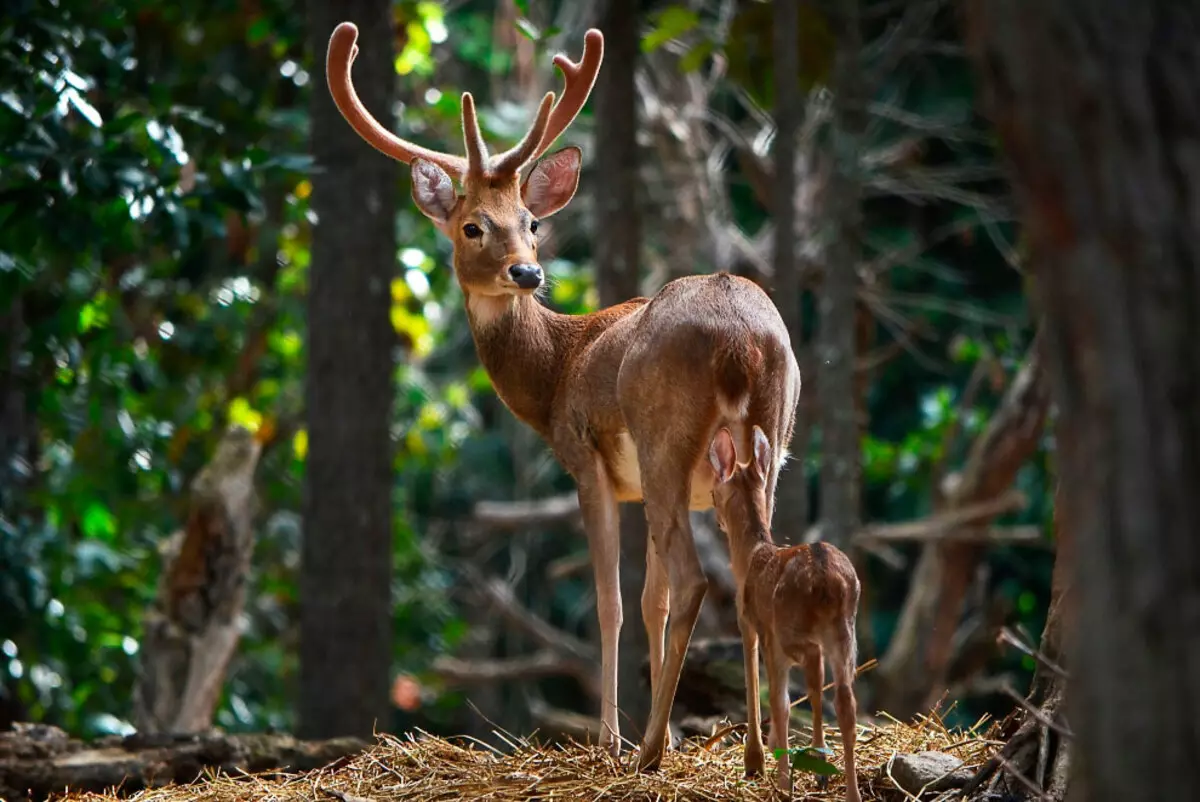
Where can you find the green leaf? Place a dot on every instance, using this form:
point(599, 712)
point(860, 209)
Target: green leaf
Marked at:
point(670, 23)
point(528, 29)
point(694, 58)
point(98, 522)
point(259, 30)
point(523, 7)
point(810, 759)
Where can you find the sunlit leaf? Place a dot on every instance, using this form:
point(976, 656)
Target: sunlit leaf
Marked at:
point(98, 522)
point(670, 23)
point(242, 414)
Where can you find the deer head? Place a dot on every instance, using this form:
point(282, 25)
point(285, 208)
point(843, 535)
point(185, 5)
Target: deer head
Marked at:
point(493, 223)
point(739, 491)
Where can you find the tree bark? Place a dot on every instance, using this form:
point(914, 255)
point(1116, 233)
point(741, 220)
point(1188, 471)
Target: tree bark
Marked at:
point(192, 631)
point(617, 246)
point(791, 505)
point(836, 351)
point(1099, 112)
point(345, 597)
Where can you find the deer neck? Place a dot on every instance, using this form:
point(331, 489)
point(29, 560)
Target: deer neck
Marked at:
point(749, 537)
point(522, 346)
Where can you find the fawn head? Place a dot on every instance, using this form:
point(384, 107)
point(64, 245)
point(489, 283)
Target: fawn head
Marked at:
point(739, 491)
point(493, 223)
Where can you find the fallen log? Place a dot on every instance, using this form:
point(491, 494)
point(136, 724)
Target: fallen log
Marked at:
point(37, 761)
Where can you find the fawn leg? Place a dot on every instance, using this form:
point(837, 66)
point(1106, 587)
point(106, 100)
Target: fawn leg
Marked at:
point(656, 606)
point(671, 532)
point(777, 677)
point(598, 506)
point(755, 761)
point(814, 677)
point(843, 677)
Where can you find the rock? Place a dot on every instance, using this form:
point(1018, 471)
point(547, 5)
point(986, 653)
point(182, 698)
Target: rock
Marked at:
point(931, 771)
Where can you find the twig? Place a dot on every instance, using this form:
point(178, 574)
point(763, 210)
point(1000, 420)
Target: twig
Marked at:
point(1029, 784)
point(1009, 637)
point(1033, 710)
point(342, 795)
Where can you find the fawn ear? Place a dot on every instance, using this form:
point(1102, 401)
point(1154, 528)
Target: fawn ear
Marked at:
point(433, 192)
point(722, 455)
point(552, 183)
point(762, 455)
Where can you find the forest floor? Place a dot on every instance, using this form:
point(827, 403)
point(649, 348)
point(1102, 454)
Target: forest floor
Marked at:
point(422, 768)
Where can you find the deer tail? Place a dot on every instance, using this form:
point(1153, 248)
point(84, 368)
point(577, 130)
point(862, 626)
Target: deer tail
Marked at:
point(736, 364)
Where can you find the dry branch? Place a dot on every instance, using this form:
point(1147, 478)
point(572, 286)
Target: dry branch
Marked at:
point(913, 672)
point(192, 630)
point(510, 515)
point(37, 761)
point(545, 663)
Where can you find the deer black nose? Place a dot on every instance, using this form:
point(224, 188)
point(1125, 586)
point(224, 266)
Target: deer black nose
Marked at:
point(527, 277)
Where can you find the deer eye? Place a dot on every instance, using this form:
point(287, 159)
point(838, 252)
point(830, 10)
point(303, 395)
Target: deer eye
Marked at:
point(472, 231)
point(533, 227)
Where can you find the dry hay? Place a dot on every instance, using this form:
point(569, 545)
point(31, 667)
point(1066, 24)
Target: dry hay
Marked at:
point(423, 768)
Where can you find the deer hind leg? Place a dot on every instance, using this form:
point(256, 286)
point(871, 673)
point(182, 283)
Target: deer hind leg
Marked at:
point(814, 676)
point(656, 606)
point(842, 659)
point(671, 533)
point(598, 506)
point(777, 678)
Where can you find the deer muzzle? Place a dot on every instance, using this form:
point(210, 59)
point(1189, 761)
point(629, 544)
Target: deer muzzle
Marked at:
point(526, 276)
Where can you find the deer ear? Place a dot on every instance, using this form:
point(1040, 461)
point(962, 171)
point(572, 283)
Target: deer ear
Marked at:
point(433, 191)
point(552, 182)
point(722, 456)
point(762, 454)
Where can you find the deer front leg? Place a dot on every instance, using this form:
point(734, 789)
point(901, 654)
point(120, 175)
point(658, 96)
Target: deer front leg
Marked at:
point(598, 507)
point(656, 606)
point(754, 758)
point(671, 533)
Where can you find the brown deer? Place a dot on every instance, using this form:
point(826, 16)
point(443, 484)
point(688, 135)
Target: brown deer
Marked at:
point(637, 389)
point(801, 601)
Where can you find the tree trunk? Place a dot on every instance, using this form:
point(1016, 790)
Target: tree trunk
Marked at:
point(618, 243)
point(839, 413)
point(791, 505)
point(345, 597)
point(1099, 111)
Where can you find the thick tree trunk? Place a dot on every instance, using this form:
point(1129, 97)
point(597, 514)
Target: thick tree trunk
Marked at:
point(791, 505)
point(1098, 108)
point(618, 243)
point(345, 595)
point(840, 451)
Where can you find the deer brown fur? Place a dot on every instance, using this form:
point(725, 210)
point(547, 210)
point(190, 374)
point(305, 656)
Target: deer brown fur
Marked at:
point(799, 601)
point(635, 390)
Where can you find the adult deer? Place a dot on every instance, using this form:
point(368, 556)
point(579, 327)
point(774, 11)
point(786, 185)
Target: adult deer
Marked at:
point(637, 389)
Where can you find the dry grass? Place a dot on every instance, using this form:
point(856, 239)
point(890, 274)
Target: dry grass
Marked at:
point(425, 768)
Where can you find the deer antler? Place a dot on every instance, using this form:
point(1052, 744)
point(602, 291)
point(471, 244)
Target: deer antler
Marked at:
point(338, 59)
point(578, 79)
point(548, 124)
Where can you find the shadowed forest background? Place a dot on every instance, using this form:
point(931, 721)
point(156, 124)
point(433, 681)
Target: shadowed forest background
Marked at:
point(191, 238)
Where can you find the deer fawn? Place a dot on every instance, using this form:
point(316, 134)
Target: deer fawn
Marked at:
point(800, 600)
point(637, 389)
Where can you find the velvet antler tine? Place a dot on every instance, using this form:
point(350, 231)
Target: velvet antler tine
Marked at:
point(512, 160)
point(343, 48)
point(578, 80)
point(477, 152)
